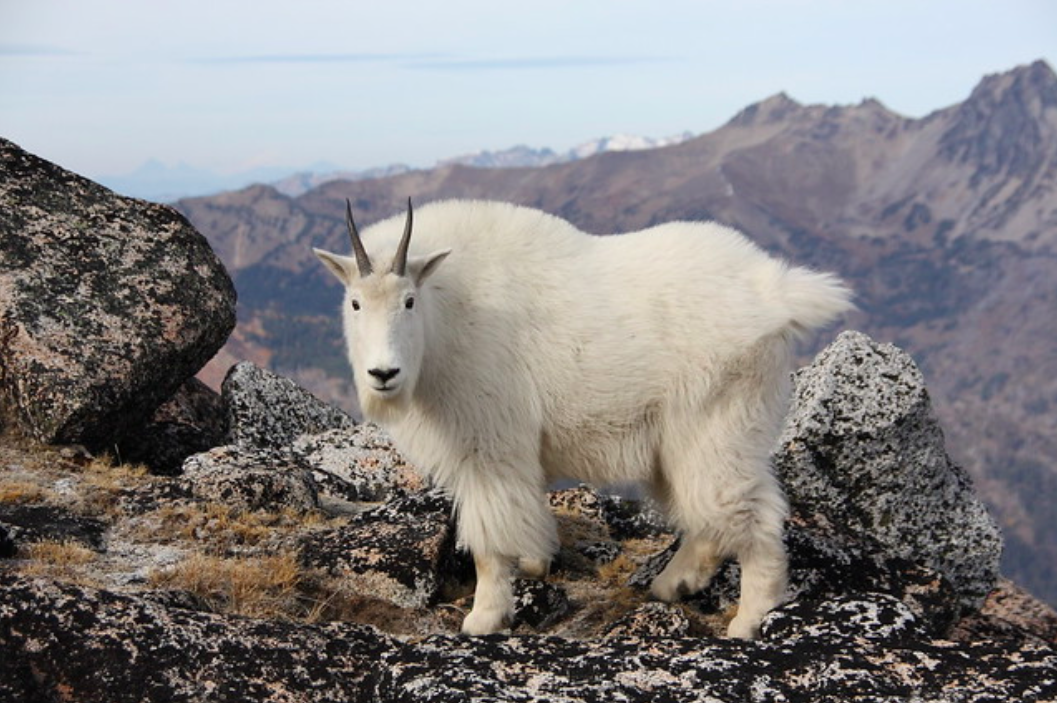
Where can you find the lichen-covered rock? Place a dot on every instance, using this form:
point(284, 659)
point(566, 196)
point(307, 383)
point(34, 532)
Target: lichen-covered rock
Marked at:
point(107, 304)
point(25, 524)
point(400, 552)
point(134, 649)
point(862, 447)
point(250, 479)
point(64, 642)
point(652, 620)
point(267, 410)
point(539, 604)
point(874, 616)
point(358, 463)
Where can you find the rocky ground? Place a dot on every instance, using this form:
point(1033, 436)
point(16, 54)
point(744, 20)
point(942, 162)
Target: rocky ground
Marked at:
point(258, 544)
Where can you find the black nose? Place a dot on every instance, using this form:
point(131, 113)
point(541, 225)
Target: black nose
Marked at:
point(383, 375)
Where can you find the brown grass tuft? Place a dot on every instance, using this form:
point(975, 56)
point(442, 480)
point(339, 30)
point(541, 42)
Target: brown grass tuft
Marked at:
point(265, 587)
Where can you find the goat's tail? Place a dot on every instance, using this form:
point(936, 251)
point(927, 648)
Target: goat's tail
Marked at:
point(814, 299)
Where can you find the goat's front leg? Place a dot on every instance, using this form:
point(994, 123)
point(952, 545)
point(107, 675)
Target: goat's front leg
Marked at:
point(493, 600)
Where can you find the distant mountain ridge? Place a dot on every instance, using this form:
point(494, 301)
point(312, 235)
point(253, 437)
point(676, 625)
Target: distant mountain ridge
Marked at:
point(946, 226)
point(157, 181)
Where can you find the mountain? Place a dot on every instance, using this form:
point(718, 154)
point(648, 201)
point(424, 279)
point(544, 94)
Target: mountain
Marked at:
point(159, 182)
point(946, 226)
point(526, 157)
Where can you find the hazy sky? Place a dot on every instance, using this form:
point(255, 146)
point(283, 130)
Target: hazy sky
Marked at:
point(100, 86)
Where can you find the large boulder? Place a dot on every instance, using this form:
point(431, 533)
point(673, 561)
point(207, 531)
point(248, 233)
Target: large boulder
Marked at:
point(862, 447)
point(107, 304)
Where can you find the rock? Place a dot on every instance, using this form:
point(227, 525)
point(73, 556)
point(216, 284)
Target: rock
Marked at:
point(132, 649)
point(267, 410)
point(250, 479)
point(107, 304)
point(651, 620)
point(539, 604)
point(192, 421)
point(862, 447)
point(25, 524)
point(7, 545)
point(874, 616)
point(358, 464)
point(400, 552)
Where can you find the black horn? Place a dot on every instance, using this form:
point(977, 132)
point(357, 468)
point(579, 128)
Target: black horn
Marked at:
point(363, 262)
point(400, 261)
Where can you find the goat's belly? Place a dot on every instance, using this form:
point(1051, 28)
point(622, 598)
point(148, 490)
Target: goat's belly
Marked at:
point(599, 454)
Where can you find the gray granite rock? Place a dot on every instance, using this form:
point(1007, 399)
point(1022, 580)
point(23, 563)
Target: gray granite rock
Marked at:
point(107, 304)
point(135, 649)
point(267, 410)
point(862, 446)
point(250, 479)
point(65, 642)
point(358, 463)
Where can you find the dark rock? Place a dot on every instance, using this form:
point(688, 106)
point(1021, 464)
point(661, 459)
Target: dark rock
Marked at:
point(64, 642)
point(25, 524)
point(250, 479)
point(401, 552)
point(827, 667)
point(539, 604)
point(107, 304)
point(863, 447)
point(7, 545)
point(192, 421)
point(267, 410)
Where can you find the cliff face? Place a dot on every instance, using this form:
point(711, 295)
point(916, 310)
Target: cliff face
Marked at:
point(945, 226)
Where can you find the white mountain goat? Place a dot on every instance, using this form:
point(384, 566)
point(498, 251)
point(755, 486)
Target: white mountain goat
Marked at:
point(502, 348)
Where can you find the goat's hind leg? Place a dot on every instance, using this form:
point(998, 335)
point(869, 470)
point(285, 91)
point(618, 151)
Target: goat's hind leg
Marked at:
point(690, 570)
point(764, 569)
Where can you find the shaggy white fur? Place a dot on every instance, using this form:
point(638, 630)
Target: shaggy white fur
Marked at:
point(517, 350)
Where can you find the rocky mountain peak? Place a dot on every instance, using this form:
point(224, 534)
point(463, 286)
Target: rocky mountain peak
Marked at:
point(1008, 126)
point(776, 108)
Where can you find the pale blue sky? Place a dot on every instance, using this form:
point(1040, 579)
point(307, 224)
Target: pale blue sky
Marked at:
point(100, 86)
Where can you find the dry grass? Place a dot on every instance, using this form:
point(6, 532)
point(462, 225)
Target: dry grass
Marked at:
point(265, 587)
point(62, 560)
point(21, 491)
point(218, 529)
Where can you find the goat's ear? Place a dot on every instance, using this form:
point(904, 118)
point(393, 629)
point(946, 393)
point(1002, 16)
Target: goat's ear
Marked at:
point(343, 267)
point(420, 268)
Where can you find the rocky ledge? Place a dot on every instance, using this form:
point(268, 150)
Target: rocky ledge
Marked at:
point(311, 564)
point(264, 546)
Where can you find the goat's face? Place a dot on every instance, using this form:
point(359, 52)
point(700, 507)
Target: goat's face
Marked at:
point(384, 312)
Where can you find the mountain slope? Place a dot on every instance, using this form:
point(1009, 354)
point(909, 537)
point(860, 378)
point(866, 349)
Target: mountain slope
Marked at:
point(946, 226)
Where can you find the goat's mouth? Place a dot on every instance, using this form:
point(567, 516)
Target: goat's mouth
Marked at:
point(387, 389)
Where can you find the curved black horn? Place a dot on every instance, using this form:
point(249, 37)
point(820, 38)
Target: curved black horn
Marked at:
point(363, 262)
point(400, 261)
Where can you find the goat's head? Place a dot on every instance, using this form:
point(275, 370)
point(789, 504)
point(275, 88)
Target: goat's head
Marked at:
point(384, 315)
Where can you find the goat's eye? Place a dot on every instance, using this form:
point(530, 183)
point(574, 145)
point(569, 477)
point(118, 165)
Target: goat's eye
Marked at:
point(356, 305)
point(410, 302)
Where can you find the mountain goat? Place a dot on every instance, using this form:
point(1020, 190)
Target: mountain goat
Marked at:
point(502, 348)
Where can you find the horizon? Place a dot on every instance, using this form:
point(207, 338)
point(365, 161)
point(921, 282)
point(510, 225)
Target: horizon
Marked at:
point(104, 87)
